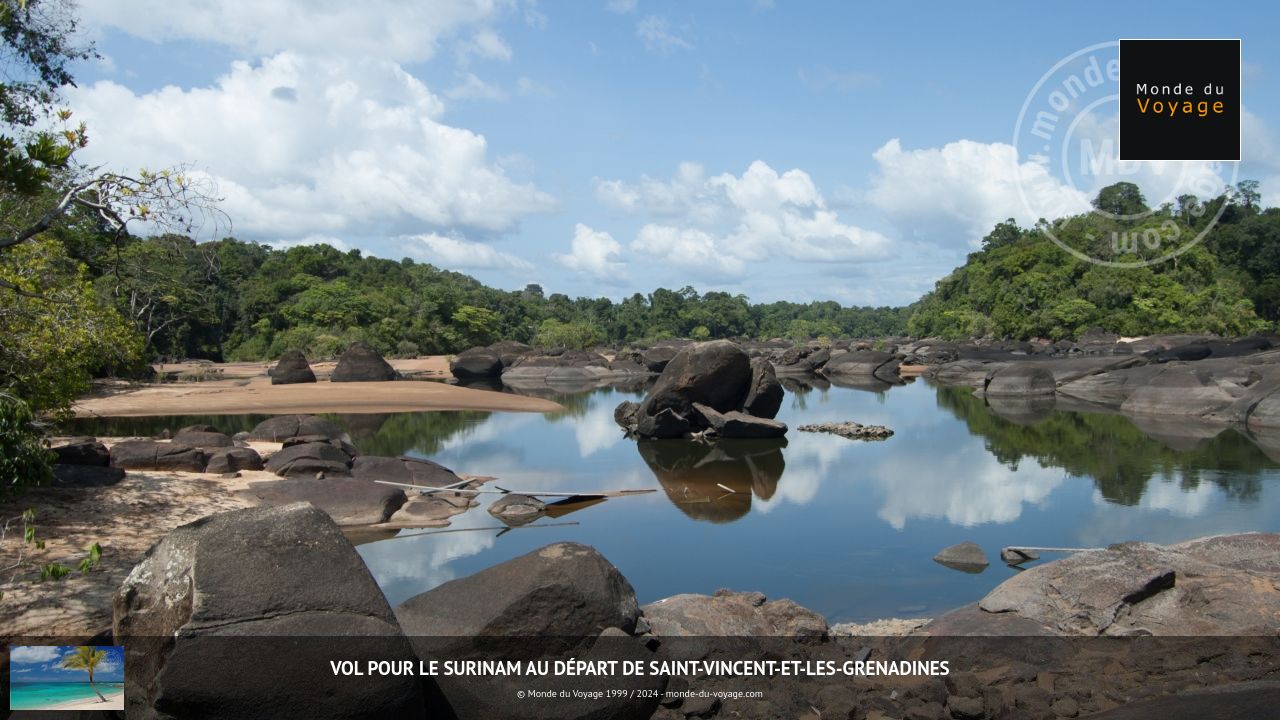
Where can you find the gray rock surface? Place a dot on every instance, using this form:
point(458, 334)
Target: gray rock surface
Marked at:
point(281, 571)
point(228, 460)
point(732, 614)
point(1020, 380)
point(152, 455)
point(306, 459)
point(283, 427)
point(764, 398)
point(361, 363)
point(967, 556)
point(82, 451)
point(291, 369)
point(345, 500)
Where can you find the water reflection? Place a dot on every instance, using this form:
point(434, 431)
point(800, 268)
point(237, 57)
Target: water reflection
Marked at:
point(715, 482)
point(869, 516)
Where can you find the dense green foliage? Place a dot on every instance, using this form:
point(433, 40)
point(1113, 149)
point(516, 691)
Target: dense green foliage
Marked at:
point(1021, 285)
point(23, 459)
point(232, 300)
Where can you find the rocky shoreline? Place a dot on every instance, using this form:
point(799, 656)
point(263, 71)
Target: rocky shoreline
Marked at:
point(212, 588)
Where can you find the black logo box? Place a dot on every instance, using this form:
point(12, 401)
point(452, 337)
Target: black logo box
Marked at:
point(1181, 65)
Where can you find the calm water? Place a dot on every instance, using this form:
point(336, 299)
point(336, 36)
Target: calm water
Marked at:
point(34, 696)
point(844, 527)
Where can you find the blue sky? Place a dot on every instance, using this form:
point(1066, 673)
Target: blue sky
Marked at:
point(43, 663)
point(609, 147)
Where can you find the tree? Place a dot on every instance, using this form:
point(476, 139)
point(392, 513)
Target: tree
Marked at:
point(1122, 199)
point(87, 658)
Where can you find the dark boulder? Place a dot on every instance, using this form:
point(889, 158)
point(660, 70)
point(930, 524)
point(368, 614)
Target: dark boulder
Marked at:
point(361, 363)
point(283, 427)
point(81, 476)
point(347, 501)
point(656, 358)
point(291, 369)
point(339, 443)
point(863, 362)
point(564, 594)
point(278, 585)
point(737, 425)
point(965, 557)
point(517, 509)
point(82, 451)
point(1020, 380)
point(478, 362)
point(1184, 353)
point(666, 425)
point(716, 374)
point(625, 414)
point(231, 460)
point(152, 455)
point(309, 458)
point(410, 471)
point(764, 399)
point(198, 436)
point(508, 351)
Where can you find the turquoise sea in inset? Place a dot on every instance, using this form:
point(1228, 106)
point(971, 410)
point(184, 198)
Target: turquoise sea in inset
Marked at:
point(34, 696)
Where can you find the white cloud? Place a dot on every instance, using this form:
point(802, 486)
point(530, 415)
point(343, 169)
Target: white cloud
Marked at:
point(719, 224)
point(359, 149)
point(456, 253)
point(473, 88)
point(960, 191)
point(593, 253)
point(621, 6)
point(385, 29)
point(656, 32)
point(485, 44)
point(31, 654)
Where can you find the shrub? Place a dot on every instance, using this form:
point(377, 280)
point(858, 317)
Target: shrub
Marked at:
point(23, 459)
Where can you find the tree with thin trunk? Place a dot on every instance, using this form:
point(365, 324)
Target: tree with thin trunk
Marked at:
point(86, 657)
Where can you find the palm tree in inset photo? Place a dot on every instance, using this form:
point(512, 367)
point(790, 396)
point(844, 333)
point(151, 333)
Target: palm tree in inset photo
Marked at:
point(86, 658)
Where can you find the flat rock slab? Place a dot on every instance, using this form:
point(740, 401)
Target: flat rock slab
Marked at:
point(347, 501)
point(152, 455)
point(1227, 702)
point(403, 470)
point(731, 614)
point(1220, 586)
point(967, 556)
point(82, 476)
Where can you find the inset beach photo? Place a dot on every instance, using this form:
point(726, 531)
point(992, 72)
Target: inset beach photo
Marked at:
point(66, 677)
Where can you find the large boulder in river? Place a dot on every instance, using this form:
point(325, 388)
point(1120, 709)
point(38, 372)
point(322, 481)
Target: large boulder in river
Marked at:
point(656, 358)
point(864, 363)
point(1182, 390)
point(278, 588)
point(1020, 380)
point(716, 374)
point(410, 471)
point(476, 363)
point(764, 399)
point(283, 427)
point(738, 425)
point(153, 455)
point(361, 363)
point(564, 594)
point(292, 368)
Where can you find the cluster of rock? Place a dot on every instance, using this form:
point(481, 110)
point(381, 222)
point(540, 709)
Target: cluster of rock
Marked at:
point(1204, 380)
point(556, 369)
point(316, 463)
point(230, 586)
point(358, 363)
point(709, 389)
point(850, 430)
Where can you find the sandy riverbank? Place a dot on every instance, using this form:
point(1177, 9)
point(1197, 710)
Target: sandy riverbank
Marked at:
point(124, 519)
point(244, 388)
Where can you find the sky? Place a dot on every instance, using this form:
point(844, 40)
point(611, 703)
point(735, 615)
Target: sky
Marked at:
point(43, 663)
point(787, 151)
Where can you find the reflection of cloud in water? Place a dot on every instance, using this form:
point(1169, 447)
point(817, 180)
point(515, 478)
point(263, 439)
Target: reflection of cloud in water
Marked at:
point(967, 487)
point(404, 568)
point(810, 458)
point(495, 427)
point(1170, 496)
point(596, 430)
point(1167, 519)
